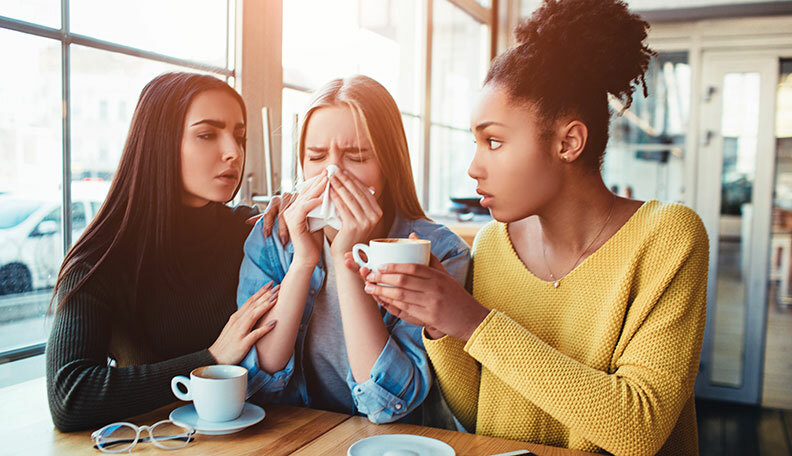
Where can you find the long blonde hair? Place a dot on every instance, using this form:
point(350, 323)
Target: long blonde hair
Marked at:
point(370, 102)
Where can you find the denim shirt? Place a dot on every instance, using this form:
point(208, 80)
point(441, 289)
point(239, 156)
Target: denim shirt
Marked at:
point(401, 376)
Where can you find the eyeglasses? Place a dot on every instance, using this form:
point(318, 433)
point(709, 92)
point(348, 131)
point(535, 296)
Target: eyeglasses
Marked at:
point(121, 437)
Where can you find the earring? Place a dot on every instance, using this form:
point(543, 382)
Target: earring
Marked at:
point(565, 158)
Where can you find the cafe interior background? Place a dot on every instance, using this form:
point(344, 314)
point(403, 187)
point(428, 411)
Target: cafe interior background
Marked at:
point(715, 133)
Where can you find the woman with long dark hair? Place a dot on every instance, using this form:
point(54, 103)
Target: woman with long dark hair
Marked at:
point(148, 291)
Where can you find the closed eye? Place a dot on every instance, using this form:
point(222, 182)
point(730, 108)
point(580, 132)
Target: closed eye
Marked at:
point(356, 158)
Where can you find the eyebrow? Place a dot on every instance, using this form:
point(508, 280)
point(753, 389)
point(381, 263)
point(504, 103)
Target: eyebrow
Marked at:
point(344, 149)
point(217, 124)
point(484, 125)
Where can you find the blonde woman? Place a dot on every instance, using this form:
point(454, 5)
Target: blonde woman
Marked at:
point(334, 347)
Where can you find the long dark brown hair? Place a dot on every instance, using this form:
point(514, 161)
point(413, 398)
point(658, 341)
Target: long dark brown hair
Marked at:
point(144, 202)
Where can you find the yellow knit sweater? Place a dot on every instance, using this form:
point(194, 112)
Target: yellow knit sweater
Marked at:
point(604, 363)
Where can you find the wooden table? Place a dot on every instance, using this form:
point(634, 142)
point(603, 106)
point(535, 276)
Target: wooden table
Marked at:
point(26, 429)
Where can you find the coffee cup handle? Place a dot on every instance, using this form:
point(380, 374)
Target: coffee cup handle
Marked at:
point(356, 255)
point(185, 382)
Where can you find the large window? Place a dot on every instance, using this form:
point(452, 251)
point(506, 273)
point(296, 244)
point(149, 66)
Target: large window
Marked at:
point(69, 89)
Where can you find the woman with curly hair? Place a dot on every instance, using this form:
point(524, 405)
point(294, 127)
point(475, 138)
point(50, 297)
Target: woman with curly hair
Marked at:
point(587, 312)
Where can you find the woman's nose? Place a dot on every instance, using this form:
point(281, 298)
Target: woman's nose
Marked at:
point(232, 150)
point(475, 170)
point(335, 159)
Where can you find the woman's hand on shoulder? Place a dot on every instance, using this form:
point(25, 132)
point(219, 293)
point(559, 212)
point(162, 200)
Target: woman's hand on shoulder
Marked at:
point(275, 210)
point(240, 332)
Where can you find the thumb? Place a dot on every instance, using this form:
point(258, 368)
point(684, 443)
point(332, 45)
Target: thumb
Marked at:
point(435, 263)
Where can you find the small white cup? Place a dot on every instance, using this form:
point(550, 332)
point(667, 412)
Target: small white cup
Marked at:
point(392, 250)
point(218, 392)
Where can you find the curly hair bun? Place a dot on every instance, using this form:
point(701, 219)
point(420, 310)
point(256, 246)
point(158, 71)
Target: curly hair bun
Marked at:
point(570, 55)
point(593, 43)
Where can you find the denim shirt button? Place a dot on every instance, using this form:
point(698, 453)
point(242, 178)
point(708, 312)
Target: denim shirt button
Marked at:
point(398, 407)
point(302, 327)
point(311, 292)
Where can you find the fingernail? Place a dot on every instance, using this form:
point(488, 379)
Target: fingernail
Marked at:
point(370, 277)
point(369, 288)
point(271, 323)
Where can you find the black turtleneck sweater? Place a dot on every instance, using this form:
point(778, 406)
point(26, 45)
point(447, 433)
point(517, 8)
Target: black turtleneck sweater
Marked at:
point(152, 328)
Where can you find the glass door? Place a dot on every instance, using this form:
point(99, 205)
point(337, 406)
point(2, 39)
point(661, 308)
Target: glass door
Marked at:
point(734, 199)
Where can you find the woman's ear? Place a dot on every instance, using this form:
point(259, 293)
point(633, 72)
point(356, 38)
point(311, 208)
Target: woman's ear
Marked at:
point(573, 141)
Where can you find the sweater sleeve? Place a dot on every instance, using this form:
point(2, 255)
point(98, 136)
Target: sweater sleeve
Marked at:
point(457, 373)
point(459, 377)
point(633, 409)
point(83, 390)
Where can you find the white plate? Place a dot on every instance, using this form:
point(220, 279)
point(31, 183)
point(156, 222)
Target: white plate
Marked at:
point(251, 414)
point(400, 445)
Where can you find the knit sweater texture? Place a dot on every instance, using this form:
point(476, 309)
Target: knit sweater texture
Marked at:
point(607, 361)
point(116, 343)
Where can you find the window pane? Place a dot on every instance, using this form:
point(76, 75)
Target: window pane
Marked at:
point(645, 154)
point(294, 104)
point(460, 57)
point(42, 12)
point(189, 29)
point(105, 87)
point(452, 152)
point(413, 130)
point(379, 38)
point(30, 183)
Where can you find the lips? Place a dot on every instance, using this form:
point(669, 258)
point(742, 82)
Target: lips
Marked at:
point(486, 198)
point(228, 176)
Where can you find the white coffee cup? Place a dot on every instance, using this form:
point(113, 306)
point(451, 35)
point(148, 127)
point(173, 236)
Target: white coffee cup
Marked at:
point(218, 391)
point(392, 250)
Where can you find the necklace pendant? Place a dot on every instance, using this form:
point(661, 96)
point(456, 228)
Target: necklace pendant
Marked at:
point(556, 284)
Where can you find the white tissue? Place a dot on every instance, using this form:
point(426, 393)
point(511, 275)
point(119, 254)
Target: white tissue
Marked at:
point(325, 214)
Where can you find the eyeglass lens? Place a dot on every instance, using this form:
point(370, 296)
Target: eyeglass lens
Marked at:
point(116, 439)
point(170, 435)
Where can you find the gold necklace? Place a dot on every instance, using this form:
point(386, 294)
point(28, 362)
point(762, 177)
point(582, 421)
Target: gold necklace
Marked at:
point(557, 282)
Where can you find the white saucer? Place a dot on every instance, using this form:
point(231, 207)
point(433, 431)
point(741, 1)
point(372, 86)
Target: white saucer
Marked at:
point(400, 445)
point(251, 414)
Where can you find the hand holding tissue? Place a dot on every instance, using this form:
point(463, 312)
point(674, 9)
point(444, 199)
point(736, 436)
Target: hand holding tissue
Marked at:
point(325, 214)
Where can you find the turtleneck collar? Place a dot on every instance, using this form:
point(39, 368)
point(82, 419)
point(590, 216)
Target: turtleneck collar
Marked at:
point(199, 223)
